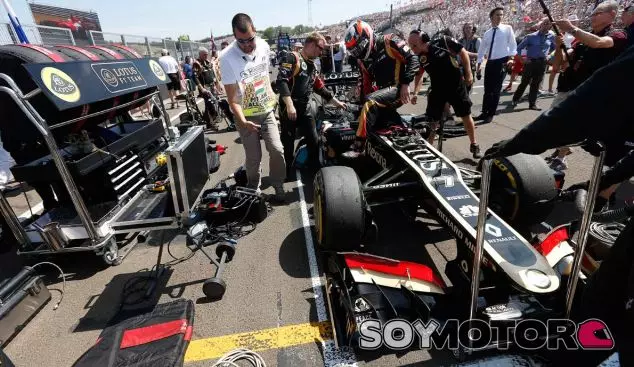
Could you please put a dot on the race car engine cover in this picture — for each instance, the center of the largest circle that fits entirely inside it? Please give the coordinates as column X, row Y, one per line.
column 338, row 136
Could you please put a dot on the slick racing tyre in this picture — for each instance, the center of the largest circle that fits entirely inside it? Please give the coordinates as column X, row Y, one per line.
column 339, row 209
column 522, row 189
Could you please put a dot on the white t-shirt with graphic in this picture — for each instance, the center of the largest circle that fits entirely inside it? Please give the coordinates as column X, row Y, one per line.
column 251, row 73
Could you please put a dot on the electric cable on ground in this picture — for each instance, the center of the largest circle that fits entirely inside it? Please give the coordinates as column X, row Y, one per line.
column 63, row 280
column 240, row 354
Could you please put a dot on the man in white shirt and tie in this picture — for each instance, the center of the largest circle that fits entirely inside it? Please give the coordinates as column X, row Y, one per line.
column 499, row 47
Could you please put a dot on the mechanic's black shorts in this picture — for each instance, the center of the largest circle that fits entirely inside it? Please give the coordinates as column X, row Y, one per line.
column 175, row 82
column 457, row 97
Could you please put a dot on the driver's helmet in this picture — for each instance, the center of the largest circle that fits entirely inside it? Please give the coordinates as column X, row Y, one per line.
column 359, row 40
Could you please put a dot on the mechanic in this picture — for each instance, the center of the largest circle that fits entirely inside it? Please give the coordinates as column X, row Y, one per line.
column 206, row 80
column 538, row 45
column 387, row 61
column 609, row 293
column 593, row 50
column 438, row 58
column 245, row 74
column 297, row 79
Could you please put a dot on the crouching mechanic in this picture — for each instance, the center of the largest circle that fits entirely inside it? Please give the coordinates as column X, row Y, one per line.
column 437, row 57
column 298, row 77
column 387, row 61
column 609, row 292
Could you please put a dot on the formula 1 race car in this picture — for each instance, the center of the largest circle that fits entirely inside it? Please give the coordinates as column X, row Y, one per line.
column 522, row 276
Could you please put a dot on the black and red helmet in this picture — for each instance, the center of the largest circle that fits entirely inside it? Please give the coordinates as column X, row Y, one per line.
column 359, row 39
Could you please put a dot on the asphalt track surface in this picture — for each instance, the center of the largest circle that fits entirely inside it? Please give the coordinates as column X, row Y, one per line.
column 274, row 301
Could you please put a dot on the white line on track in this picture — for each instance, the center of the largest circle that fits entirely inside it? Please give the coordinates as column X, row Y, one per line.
column 332, row 356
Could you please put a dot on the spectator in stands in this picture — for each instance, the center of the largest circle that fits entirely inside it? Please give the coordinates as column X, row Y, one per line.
column 340, row 55
column 171, row 67
column 628, row 21
column 224, row 45
column 471, row 44
column 499, row 46
column 538, row 45
column 244, row 66
column 591, row 51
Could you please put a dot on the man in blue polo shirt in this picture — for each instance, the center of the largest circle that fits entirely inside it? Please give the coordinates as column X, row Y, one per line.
column 538, row 46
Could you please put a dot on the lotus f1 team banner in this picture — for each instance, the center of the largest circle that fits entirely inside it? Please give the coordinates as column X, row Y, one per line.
column 72, row 84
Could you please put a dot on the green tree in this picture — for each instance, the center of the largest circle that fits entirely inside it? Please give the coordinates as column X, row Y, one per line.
column 183, row 37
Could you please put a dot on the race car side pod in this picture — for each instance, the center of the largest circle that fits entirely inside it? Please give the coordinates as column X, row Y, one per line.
column 477, row 258
column 593, row 189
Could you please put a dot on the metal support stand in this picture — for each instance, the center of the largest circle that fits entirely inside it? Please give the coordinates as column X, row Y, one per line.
column 159, row 269
column 441, row 134
column 479, row 247
column 585, row 227
column 42, row 126
column 12, row 221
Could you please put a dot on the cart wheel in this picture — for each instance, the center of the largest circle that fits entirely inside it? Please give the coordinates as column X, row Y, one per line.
column 214, row 288
column 111, row 255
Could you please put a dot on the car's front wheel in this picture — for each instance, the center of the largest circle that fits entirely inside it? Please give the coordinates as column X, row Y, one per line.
column 340, row 209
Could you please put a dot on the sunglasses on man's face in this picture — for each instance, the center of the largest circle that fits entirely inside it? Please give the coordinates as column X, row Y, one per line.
column 245, row 41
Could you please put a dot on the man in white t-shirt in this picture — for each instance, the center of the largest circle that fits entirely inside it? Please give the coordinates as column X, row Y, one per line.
column 171, row 67
column 340, row 55
column 244, row 66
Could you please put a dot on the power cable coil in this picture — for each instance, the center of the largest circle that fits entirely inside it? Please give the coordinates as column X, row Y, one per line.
column 240, row 354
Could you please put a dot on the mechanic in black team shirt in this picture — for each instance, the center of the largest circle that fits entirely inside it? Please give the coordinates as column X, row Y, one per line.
column 598, row 109
column 388, row 67
column 438, row 58
column 297, row 79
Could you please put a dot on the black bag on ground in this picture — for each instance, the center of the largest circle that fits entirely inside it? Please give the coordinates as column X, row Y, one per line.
column 156, row 339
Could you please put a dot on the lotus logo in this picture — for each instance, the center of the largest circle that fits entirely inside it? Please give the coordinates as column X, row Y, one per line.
column 158, row 70
column 62, row 86
column 109, row 77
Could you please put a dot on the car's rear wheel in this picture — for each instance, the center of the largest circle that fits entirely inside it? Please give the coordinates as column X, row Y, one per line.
column 522, row 189
column 340, row 209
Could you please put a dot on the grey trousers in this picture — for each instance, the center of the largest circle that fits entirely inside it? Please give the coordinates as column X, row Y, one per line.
column 253, row 151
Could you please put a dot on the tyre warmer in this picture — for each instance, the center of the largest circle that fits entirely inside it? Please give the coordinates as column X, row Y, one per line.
column 158, row 338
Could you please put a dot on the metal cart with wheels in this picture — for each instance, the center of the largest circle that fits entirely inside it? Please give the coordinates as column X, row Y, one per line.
column 114, row 177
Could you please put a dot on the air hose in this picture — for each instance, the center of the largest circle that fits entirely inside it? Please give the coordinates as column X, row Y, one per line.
column 608, row 216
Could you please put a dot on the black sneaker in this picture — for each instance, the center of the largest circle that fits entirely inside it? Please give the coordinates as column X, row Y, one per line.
column 534, row 108
column 475, row 149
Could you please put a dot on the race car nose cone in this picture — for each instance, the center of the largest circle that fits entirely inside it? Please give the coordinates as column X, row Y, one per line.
column 538, row 278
